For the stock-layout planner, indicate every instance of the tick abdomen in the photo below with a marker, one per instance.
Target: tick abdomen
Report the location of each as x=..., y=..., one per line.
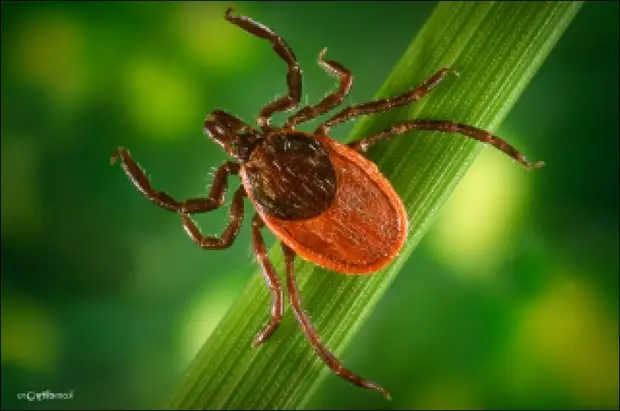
x=362, y=227
x=291, y=176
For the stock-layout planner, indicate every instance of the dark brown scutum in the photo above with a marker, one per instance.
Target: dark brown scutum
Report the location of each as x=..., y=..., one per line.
x=291, y=176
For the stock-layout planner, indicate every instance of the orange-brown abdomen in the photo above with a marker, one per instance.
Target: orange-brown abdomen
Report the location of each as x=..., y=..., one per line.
x=363, y=228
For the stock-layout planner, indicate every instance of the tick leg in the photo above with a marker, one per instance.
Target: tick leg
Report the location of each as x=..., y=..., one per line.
x=216, y=197
x=272, y=282
x=332, y=100
x=230, y=233
x=304, y=321
x=293, y=75
x=447, y=127
x=378, y=106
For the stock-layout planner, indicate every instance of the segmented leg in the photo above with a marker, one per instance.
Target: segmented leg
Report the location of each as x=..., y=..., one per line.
x=293, y=75
x=216, y=197
x=269, y=273
x=448, y=127
x=332, y=100
x=313, y=337
x=230, y=233
x=385, y=104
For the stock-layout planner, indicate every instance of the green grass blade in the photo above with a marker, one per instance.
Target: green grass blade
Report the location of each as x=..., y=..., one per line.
x=497, y=47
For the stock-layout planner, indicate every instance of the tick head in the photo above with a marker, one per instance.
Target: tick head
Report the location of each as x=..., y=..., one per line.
x=239, y=146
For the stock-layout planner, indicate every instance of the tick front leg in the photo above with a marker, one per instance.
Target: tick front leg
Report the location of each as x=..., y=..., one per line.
x=332, y=100
x=269, y=273
x=313, y=337
x=447, y=127
x=230, y=233
x=382, y=105
x=293, y=75
x=215, y=199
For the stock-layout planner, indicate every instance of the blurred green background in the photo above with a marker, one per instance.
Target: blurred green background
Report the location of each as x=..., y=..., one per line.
x=510, y=301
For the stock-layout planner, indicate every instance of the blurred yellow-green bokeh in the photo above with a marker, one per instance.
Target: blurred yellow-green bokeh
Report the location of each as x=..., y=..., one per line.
x=510, y=301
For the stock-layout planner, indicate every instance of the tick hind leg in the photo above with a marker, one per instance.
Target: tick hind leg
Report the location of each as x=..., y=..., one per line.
x=378, y=106
x=304, y=321
x=137, y=176
x=448, y=127
x=293, y=75
x=269, y=273
x=230, y=233
x=332, y=100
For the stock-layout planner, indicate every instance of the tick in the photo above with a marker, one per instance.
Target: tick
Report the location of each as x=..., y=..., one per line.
x=323, y=200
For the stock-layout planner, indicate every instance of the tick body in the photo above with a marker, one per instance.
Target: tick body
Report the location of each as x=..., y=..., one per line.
x=323, y=200
x=326, y=202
